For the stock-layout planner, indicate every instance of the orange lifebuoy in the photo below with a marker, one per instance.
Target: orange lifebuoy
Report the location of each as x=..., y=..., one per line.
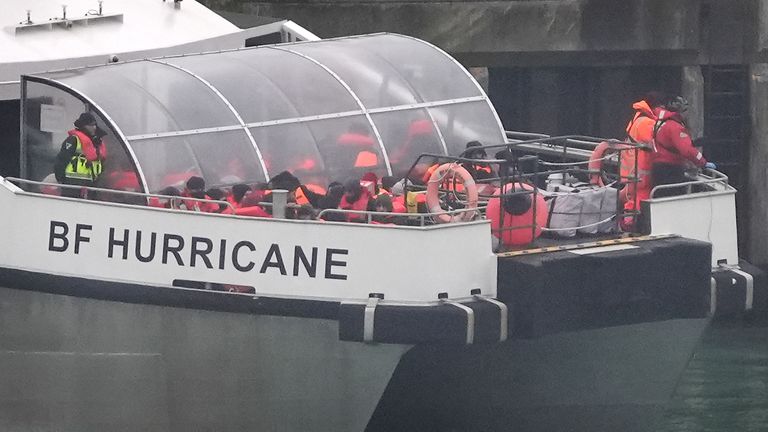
x=626, y=169
x=433, y=192
x=596, y=163
x=517, y=230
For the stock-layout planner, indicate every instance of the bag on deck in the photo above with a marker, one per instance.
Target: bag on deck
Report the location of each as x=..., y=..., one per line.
x=579, y=208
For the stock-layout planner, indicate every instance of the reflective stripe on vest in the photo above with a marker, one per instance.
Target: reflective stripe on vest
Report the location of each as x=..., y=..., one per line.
x=79, y=167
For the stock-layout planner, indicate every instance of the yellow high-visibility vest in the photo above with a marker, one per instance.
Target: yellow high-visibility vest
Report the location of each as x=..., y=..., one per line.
x=79, y=167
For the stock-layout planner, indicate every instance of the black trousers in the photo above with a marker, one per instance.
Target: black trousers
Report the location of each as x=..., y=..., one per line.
x=663, y=173
x=72, y=192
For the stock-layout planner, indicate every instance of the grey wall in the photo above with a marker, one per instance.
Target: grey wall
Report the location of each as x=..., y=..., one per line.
x=531, y=31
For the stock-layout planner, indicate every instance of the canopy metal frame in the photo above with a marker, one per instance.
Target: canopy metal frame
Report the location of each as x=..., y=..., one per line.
x=241, y=124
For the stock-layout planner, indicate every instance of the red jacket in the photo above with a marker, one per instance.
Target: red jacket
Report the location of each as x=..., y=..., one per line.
x=673, y=141
x=360, y=205
x=203, y=206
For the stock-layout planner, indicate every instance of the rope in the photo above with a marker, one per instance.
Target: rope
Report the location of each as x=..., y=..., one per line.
x=580, y=227
x=445, y=173
x=574, y=163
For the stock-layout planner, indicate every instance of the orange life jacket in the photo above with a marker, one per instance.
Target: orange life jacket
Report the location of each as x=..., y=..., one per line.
x=639, y=131
x=366, y=156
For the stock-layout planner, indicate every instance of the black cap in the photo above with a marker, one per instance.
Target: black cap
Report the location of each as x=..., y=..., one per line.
x=677, y=104
x=85, y=119
x=351, y=185
x=196, y=183
x=475, y=152
x=284, y=180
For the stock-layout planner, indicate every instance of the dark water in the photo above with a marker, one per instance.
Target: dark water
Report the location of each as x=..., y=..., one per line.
x=725, y=387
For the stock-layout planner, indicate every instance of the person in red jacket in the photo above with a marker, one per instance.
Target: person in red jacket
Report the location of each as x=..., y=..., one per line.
x=674, y=148
x=640, y=131
x=355, y=197
x=196, y=189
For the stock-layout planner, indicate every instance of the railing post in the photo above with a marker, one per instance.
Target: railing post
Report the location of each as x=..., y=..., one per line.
x=279, y=203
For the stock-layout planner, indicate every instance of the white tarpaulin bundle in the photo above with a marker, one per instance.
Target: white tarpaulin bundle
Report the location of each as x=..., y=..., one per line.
x=582, y=208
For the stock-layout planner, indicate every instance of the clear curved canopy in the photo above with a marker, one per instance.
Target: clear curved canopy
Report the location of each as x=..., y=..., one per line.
x=324, y=110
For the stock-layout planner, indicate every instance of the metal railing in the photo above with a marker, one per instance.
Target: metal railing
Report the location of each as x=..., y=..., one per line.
x=423, y=217
x=567, y=155
x=174, y=200
x=717, y=178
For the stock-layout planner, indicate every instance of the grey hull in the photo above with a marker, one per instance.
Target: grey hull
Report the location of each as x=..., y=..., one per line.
x=76, y=364
x=610, y=379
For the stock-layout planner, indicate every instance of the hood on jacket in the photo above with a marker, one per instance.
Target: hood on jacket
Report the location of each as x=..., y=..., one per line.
x=643, y=107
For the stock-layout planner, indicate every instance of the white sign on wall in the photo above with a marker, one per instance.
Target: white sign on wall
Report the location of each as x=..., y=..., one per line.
x=53, y=118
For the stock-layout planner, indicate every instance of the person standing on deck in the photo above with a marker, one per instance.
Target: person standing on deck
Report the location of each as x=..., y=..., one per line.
x=640, y=131
x=81, y=158
x=674, y=147
x=479, y=171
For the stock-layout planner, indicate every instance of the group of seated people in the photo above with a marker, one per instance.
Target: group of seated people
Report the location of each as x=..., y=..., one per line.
x=365, y=194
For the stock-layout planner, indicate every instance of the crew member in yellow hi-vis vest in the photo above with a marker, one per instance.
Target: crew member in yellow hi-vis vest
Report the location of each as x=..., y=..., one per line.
x=80, y=161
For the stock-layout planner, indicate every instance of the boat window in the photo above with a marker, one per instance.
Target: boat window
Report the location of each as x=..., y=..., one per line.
x=290, y=147
x=462, y=123
x=324, y=110
x=49, y=114
x=376, y=82
x=321, y=151
x=310, y=88
x=146, y=97
x=432, y=74
x=227, y=158
x=406, y=140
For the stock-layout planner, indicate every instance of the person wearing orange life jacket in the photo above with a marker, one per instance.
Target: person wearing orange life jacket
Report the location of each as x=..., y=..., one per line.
x=218, y=195
x=674, y=148
x=479, y=171
x=420, y=138
x=385, y=185
x=359, y=143
x=383, y=204
x=284, y=180
x=166, y=201
x=249, y=206
x=356, y=198
x=309, y=194
x=235, y=198
x=640, y=131
x=195, y=188
x=81, y=157
x=370, y=182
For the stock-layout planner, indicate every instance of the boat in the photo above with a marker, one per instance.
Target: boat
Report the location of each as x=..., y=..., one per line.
x=113, y=316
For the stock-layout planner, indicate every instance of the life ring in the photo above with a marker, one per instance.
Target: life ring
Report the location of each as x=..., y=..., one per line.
x=433, y=192
x=596, y=163
x=515, y=229
x=626, y=168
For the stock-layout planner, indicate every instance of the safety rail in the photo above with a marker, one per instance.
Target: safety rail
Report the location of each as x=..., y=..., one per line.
x=175, y=200
x=525, y=135
x=421, y=216
x=519, y=160
x=718, y=178
x=172, y=199
x=713, y=202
